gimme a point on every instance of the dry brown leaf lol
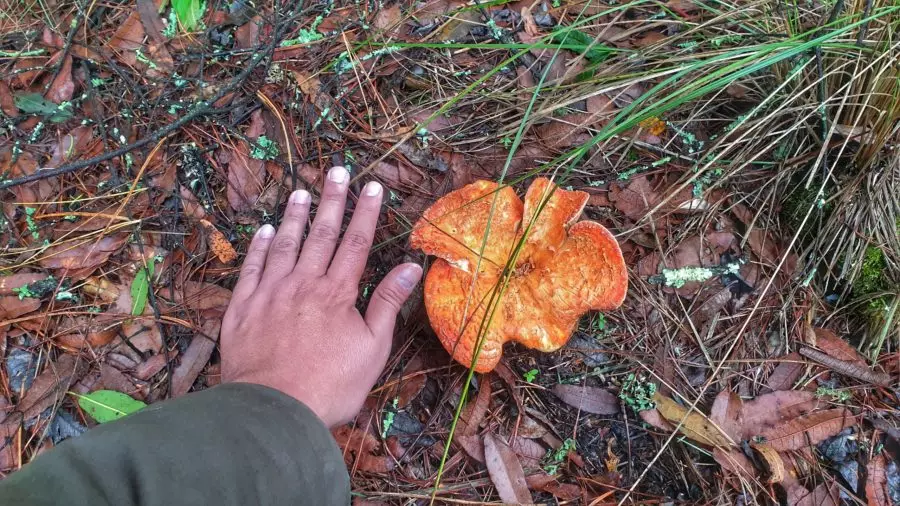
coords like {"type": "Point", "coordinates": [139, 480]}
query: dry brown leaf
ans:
{"type": "Point", "coordinates": [63, 87]}
{"type": "Point", "coordinates": [472, 445]}
{"type": "Point", "coordinates": [143, 334]}
{"type": "Point", "coordinates": [245, 174]}
{"type": "Point", "coordinates": [768, 410]}
{"type": "Point", "coordinates": [71, 145]}
{"type": "Point", "coordinates": [727, 413]}
{"type": "Point", "coordinates": [773, 460]}
{"type": "Point", "coordinates": [410, 389]}
{"type": "Point", "coordinates": [808, 430]}
{"type": "Point", "coordinates": [128, 38]}
{"type": "Point", "coordinates": [594, 400]}
{"type": "Point", "coordinates": [822, 495]}
{"type": "Point", "coordinates": [360, 450]}
{"type": "Point", "coordinates": [11, 306]}
{"type": "Point", "coordinates": [218, 243]}
{"type": "Point", "coordinates": [473, 413]}
{"type": "Point", "coordinates": [9, 283]}
{"type": "Point", "coordinates": [200, 295]}
{"type": "Point", "coordinates": [7, 103]}
{"type": "Point", "coordinates": [786, 373]}
{"type": "Point", "coordinates": [195, 357]}
{"type": "Point", "coordinates": [505, 471]}
{"type": "Point", "coordinates": [87, 255]}
{"type": "Point", "coordinates": [51, 385]}
{"type": "Point", "coordinates": [113, 379]}
{"type": "Point", "coordinates": [695, 425]}
{"type": "Point", "coordinates": [876, 482]}
{"type": "Point", "coordinates": [832, 344]}
{"type": "Point", "coordinates": [151, 367]}
{"type": "Point", "coordinates": [530, 452]}
{"type": "Point", "coordinates": [247, 35]}
{"type": "Point", "coordinates": [387, 17]}
{"type": "Point", "coordinates": [653, 418]}
{"type": "Point", "coordinates": [734, 462]}
{"type": "Point", "coordinates": [546, 483]}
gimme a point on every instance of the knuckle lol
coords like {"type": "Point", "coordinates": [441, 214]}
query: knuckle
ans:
{"type": "Point", "coordinates": [324, 232]}
{"type": "Point", "coordinates": [251, 269]}
{"type": "Point", "coordinates": [356, 241]}
{"type": "Point", "coordinates": [391, 296]}
{"type": "Point", "coordinates": [335, 197]}
{"type": "Point", "coordinates": [286, 244]}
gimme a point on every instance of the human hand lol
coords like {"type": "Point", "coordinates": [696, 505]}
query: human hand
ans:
{"type": "Point", "coordinates": [292, 323]}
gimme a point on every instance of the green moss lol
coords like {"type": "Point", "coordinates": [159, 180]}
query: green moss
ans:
{"type": "Point", "coordinates": [871, 276]}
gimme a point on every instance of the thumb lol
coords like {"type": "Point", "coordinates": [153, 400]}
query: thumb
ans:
{"type": "Point", "coordinates": [390, 294]}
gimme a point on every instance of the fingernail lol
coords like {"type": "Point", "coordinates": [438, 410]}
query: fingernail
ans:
{"type": "Point", "coordinates": [266, 231]}
{"type": "Point", "coordinates": [410, 276]}
{"type": "Point", "coordinates": [299, 197]}
{"type": "Point", "coordinates": [372, 189]}
{"type": "Point", "coordinates": [338, 175]}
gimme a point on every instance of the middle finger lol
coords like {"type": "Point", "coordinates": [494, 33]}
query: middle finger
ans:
{"type": "Point", "coordinates": [326, 227]}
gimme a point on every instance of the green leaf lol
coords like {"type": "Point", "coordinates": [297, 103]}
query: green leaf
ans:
{"type": "Point", "coordinates": [35, 103]}
{"type": "Point", "coordinates": [580, 42]}
{"type": "Point", "coordinates": [189, 12]}
{"type": "Point", "coordinates": [108, 405]}
{"type": "Point", "coordinates": [140, 287]}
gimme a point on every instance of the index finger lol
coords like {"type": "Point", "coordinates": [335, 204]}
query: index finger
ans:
{"type": "Point", "coordinates": [350, 260]}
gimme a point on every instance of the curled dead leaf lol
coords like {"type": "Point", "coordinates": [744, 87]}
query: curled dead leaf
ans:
{"type": "Point", "coordinates": [695, 425]}
{"type": "Point", "coordinates": [773, 460]}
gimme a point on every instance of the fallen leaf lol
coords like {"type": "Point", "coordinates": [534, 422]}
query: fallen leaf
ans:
{"type": "Point", "coordinates": [822, 495]}
{"type": "Point", "coordinates": [9, 283]}
{"type": "Point", "coordinates": [505, 471]}
{"type": "Point", "coordinates": [547, 483]}
{"type": "Point", "coordinates": [51, 385]}
{"type": "Point", "coordinates": [360, 450]}
{"type": "Point", "coordinates": [768, 410]}
{"type": "Point", "coordinates": [808, 430]}
{"type": "Point", "coordinates": [594, 400]}
{"type": "Point", "coordinates": [832, 344]}
{"type": "Point", "coordinates": [142, 334]}
{"type": "Point", "coordinates": [876, 482]}
{"type": "Point", "coordinates": [387, 17]}
{"type": "Point", "coordinates": [7, 101]}
{"type": "Point", "coordinates": [247, 35]}
{"type": "Point", "coordinates": [474, 412]}
{"type": "Point", "coordinates": [87, 255]}
{"type": "Point", "coordinates": [529, 451]}
{"type": "Point", "coordinates": [71, 145]}
{"type": "Point", "coordinates": [786, 373]}
{"type": "Point", "coordinates": [695, 425]}
{"type": "Point", "coordinates": [108, 405]}
{"type": "Point", "coordinates": [113, 379]}
{"type": "Point", "coordinates": [773, 460]}
{"type": "Point", "coordinates": [653, 418]}
{"type": "Point", "coordinates": [473, 445]}
{"type": "Point", "coordinates": [727, 413]}
{"type": "Point", "coordinates": [63, 87]}
{"type": "Point", "coordinates": [410, 389]}
{"type": "Point", "coordinates": [195, 357]}
{"type": "Point", "coordinates": [153, 365]}
{"type": "Point", "coordinates": [11, 306]}
{"type": "Point", "coordinates": [734, 462]}
{"type": "Point", "coordinates": [245, 174]}
{"type": "Point", "coordinates": [200, 295]}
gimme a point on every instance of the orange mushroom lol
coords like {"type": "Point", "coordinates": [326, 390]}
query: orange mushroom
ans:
{"type": "Point", "coordinates": [527, 272]}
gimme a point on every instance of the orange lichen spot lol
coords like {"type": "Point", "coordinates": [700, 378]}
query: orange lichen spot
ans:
{"type": "Point", "coordinates": [653, 126]}
{"type": "Point", "coordinates": [540, 269]}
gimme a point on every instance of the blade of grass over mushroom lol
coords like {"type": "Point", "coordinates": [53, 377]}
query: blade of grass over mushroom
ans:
{"type": "Point", "coordinates": [500, 288]}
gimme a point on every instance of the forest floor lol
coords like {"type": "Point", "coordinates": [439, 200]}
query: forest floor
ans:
{"type": "Point", "coordinates": [744, 153]}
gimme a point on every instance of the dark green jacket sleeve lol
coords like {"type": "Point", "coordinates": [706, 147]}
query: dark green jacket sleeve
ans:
{"type": "Point", "coordinates": [235, 444]}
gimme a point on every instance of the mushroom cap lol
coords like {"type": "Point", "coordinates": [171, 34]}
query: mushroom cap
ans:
{"type": "Point", "coordinates": [514, 271]}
